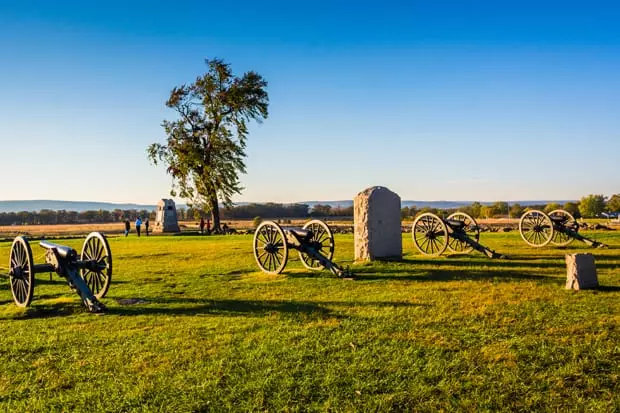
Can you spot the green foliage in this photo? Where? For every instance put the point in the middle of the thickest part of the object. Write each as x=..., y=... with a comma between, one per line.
x=572, y=208
x=476, y=210
x=205, y=149
x=256, y=221
x=320, y=210
x=613, y=204
x=552, y=207
x=516, y=210
x=211, y=333
x=592, y=205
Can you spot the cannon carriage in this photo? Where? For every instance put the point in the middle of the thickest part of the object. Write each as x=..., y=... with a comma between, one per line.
x=88, y=274
x=314, y=243
x=458, y=233
x=558, y=228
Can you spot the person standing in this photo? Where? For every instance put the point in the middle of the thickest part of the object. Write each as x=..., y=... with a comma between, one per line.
x=202, y=225
x=127, y=225
x=138, y=224
x=146, y=226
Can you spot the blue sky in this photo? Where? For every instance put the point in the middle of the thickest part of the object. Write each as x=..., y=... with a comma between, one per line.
x=437, y=100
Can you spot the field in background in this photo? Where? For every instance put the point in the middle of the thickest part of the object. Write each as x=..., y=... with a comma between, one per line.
x=10, y=231
x=193, y=326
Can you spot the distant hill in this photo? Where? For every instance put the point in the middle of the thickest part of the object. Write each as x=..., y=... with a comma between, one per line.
x=37, y=205
x=433, y=204
x=79, y=206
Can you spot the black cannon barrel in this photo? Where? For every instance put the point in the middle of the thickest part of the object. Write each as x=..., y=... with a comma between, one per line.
x=62, y=250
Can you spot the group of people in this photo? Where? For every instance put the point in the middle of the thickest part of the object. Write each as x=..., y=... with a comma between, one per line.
x=138, y=226
x=203, y=225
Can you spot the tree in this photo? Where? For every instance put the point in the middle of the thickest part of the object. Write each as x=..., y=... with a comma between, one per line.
x=592, y=205
x=205, y=149
x=476, y=209
x=613, y=204
x=572, y=208
x=320, y=210
x=552, y=207
x=516, y=210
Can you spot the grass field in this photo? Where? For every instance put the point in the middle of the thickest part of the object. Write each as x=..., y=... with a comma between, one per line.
x=211, y=333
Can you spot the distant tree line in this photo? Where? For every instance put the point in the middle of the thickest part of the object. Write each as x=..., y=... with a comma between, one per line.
x=589, y=206
x=51, y=217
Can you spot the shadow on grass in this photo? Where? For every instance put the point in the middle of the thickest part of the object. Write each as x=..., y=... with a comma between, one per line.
x=47, y=311
x=193, y=306
x=607, y=288
x=455, y=275
x=219, y=307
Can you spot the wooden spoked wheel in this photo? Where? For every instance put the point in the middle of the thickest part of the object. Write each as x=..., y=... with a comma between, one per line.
x=21, y=272
x=536, y=228
x=562, y=218
x=470, y=228
x=98, y=277
x=322, y=241
x=270, y=248
x=430, y=234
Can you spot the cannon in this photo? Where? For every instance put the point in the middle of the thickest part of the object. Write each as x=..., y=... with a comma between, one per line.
x=459, y=233
x=88, y=274
x=558, y=227
x=314, y=243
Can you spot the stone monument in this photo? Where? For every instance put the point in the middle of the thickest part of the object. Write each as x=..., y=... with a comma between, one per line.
x=166, y=217
x=376, y=216
x=580, y=272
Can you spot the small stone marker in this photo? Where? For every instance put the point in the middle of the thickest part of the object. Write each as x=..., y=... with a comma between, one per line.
x=166, y=218
x=580, y=272
x=376, y=216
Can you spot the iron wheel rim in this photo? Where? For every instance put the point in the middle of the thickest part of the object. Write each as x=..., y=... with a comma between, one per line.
x=20, y=261
x=471, y=229
x=270, y=247
x=321, y=235
x=430, y=234
x=96, y=248
x=536, y=228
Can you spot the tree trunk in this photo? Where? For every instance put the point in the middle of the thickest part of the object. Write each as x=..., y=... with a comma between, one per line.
x=215, y=214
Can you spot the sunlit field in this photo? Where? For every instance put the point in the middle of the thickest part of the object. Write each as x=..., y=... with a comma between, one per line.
x=194, y=326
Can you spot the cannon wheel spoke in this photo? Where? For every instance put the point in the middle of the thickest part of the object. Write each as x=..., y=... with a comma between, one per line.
x=96, y=248
x=471, y=230
x=430, y=234
x=322, y=239
x=536, y=228
x=21, y=265
x=560, y=238
x=270, y=247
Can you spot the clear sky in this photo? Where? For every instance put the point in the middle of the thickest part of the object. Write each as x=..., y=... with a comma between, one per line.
x=437, y=100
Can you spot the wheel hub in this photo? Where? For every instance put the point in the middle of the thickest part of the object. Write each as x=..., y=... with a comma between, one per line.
x=17, y=272
x=271, y=248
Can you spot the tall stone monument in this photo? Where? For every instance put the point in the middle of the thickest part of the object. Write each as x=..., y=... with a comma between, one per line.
x=166, y=217
x=376, y=215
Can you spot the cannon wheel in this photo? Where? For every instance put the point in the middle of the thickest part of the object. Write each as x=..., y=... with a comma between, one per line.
x=21, y=272
x=471, y=229
x=430, y=234
x=96, y=248
x=559, y=238
x=270, y=247
x=322, y=240
x=536, y=228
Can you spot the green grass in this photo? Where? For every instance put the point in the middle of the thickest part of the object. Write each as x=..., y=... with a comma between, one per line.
x=214, y=334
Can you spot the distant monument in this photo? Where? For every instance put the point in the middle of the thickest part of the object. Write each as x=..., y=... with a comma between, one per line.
x=166, y=218
x=376, y=221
